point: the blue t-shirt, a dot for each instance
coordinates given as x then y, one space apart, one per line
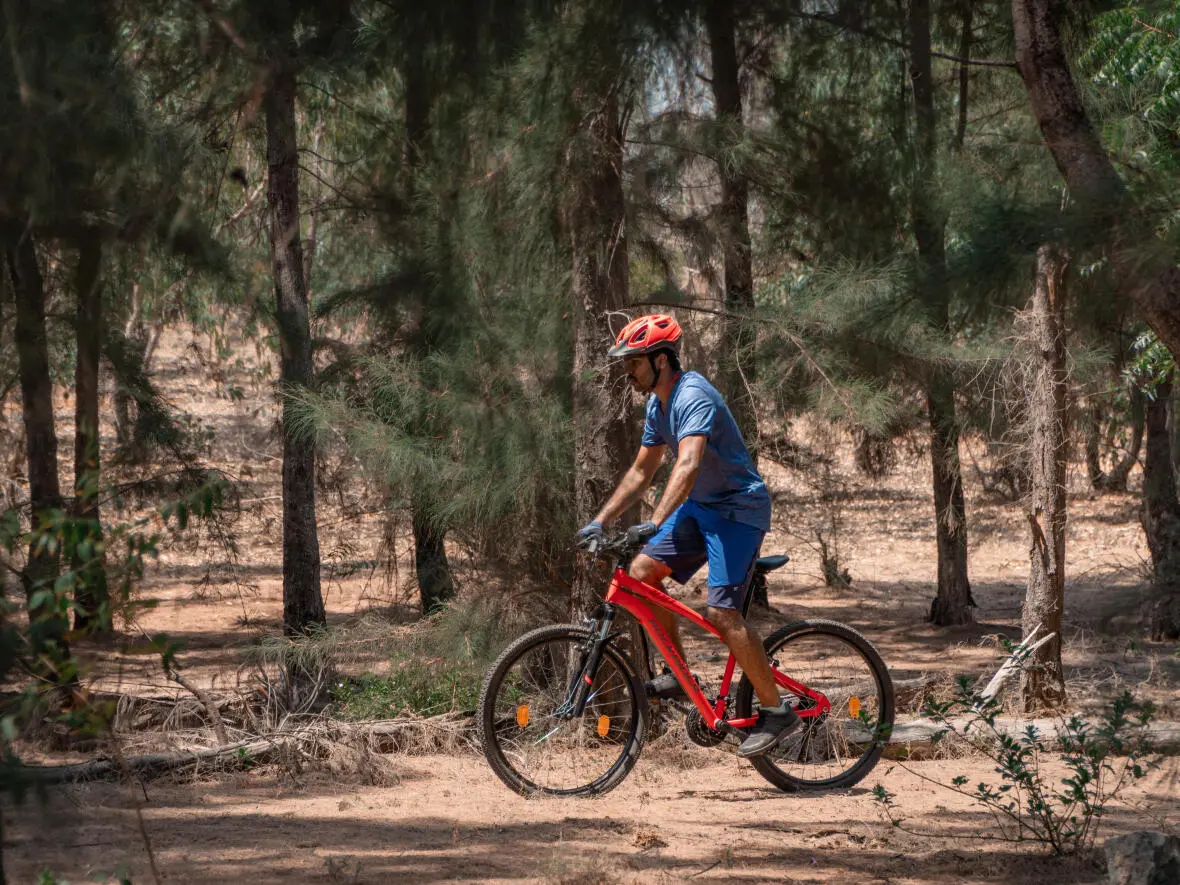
728 483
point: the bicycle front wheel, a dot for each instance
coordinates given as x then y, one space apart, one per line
835 749
531 739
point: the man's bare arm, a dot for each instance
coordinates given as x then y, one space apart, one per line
633 484
684 475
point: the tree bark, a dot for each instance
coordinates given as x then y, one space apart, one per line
90 593
1143 268
124 426
1161 516
36 385
431 566
303 604
737 365
952 604
436 583
964 72
604 436
1042 684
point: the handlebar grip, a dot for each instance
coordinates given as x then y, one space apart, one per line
592 546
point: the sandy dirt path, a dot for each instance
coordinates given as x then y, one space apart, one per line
696 816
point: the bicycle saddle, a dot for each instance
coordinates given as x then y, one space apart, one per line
770 563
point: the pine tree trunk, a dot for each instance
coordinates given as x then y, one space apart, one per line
123 399
431 567
1042 684
303 604
91 593
32 346
604 435
1143 269
952 604
737 365
964 73
436 583
1161 517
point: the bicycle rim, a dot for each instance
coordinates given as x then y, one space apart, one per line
530 746
838 748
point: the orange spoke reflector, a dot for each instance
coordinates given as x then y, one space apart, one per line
522 715
603 726
854 706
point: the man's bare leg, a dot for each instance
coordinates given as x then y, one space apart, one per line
748 649
653 572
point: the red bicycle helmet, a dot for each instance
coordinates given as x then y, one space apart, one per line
647 334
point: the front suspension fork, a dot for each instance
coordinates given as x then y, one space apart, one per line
578 693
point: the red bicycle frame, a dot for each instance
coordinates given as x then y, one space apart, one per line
634 596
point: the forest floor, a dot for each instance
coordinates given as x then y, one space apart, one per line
683 814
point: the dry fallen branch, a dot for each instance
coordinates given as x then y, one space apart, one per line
1015 660
209 705
243 753
1162 737
319 739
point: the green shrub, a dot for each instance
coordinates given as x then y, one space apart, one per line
1028 804
413 688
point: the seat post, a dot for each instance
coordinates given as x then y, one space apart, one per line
750 578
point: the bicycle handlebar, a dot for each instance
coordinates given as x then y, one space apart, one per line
616 544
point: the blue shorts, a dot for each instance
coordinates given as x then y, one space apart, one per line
694 535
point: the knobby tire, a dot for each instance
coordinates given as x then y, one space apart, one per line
505 742
818 746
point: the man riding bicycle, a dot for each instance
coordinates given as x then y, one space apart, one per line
715 509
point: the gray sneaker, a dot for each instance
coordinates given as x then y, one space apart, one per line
774 724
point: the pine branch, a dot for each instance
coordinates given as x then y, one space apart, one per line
226 28
381 125
1139 21
892 41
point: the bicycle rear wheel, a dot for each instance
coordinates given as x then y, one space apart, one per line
532 745
838 748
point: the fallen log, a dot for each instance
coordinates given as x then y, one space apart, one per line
241 754
408 734
1161 737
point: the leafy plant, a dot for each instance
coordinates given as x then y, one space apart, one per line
1152 364
1027 804
36 656
418 688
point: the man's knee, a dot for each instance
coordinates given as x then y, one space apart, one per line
650 571
726 620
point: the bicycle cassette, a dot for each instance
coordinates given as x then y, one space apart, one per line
699 733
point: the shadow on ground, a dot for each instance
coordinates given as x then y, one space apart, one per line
260 831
